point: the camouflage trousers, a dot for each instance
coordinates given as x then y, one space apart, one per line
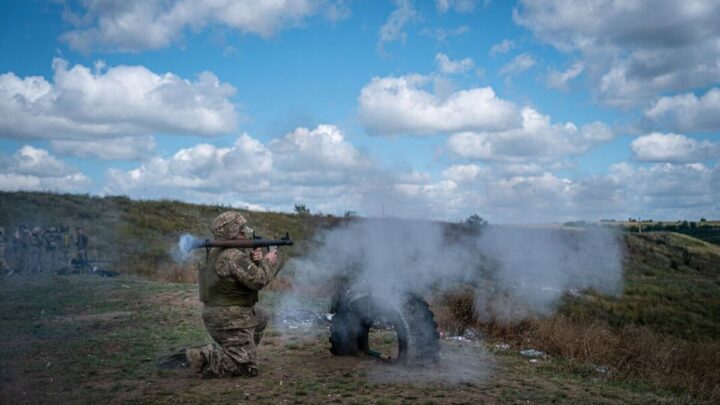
4 268
237 331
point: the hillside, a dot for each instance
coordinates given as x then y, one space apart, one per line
658 341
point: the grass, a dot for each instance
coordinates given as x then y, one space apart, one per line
659 340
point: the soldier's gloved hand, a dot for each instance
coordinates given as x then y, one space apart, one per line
257 255
272 257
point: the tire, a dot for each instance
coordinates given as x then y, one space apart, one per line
412 319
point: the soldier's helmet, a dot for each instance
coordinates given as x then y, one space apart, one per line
36 230
227 225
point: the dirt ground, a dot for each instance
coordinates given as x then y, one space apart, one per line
83 339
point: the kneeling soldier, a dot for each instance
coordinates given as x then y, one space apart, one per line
229 284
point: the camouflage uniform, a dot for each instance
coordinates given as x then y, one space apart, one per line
81 243
36 244
64 245
22 249
4 268
229 284
50 243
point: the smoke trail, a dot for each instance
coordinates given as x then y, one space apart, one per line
182 252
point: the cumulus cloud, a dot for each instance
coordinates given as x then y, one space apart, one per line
503 47
402 105
631 56
687 112
31 168
122 101
449 66
459 6
136 25
317 166
537 139
125 148
518 65
394 28
657 147
442 34
559 80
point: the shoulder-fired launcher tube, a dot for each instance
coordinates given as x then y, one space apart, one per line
244 243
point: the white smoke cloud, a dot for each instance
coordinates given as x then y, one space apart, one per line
532 267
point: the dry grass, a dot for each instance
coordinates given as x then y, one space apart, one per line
633 352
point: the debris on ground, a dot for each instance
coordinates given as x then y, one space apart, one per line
302 318
501 346
532 353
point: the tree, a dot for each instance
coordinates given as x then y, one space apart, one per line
476 221
302 210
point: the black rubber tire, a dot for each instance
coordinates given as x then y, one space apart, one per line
414 323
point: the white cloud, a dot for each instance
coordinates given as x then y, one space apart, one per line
462 173
503 47
31 168
632 50
536 140
657 147
442 34
123 101
125 148
136 25
394 28
687 112
459 6
559 80
518 65
400 105
448 66
318 167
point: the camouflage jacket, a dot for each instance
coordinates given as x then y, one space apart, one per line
230 277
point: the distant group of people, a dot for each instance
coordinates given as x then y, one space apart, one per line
33 250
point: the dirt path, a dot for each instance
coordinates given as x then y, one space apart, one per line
80 339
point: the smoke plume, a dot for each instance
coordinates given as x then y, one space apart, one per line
515 271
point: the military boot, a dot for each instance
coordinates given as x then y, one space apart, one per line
249 370
195 359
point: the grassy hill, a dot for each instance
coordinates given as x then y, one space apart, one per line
662 335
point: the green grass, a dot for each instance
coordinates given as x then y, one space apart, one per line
672 286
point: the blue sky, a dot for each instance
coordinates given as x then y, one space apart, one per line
528 111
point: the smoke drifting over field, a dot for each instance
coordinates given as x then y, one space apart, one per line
516 271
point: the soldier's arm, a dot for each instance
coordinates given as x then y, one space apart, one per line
235 263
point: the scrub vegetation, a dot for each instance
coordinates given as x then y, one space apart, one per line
83 338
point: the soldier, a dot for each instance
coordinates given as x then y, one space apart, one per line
36 250
50 243
22 252
64 245
229 284
4 268
81 243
